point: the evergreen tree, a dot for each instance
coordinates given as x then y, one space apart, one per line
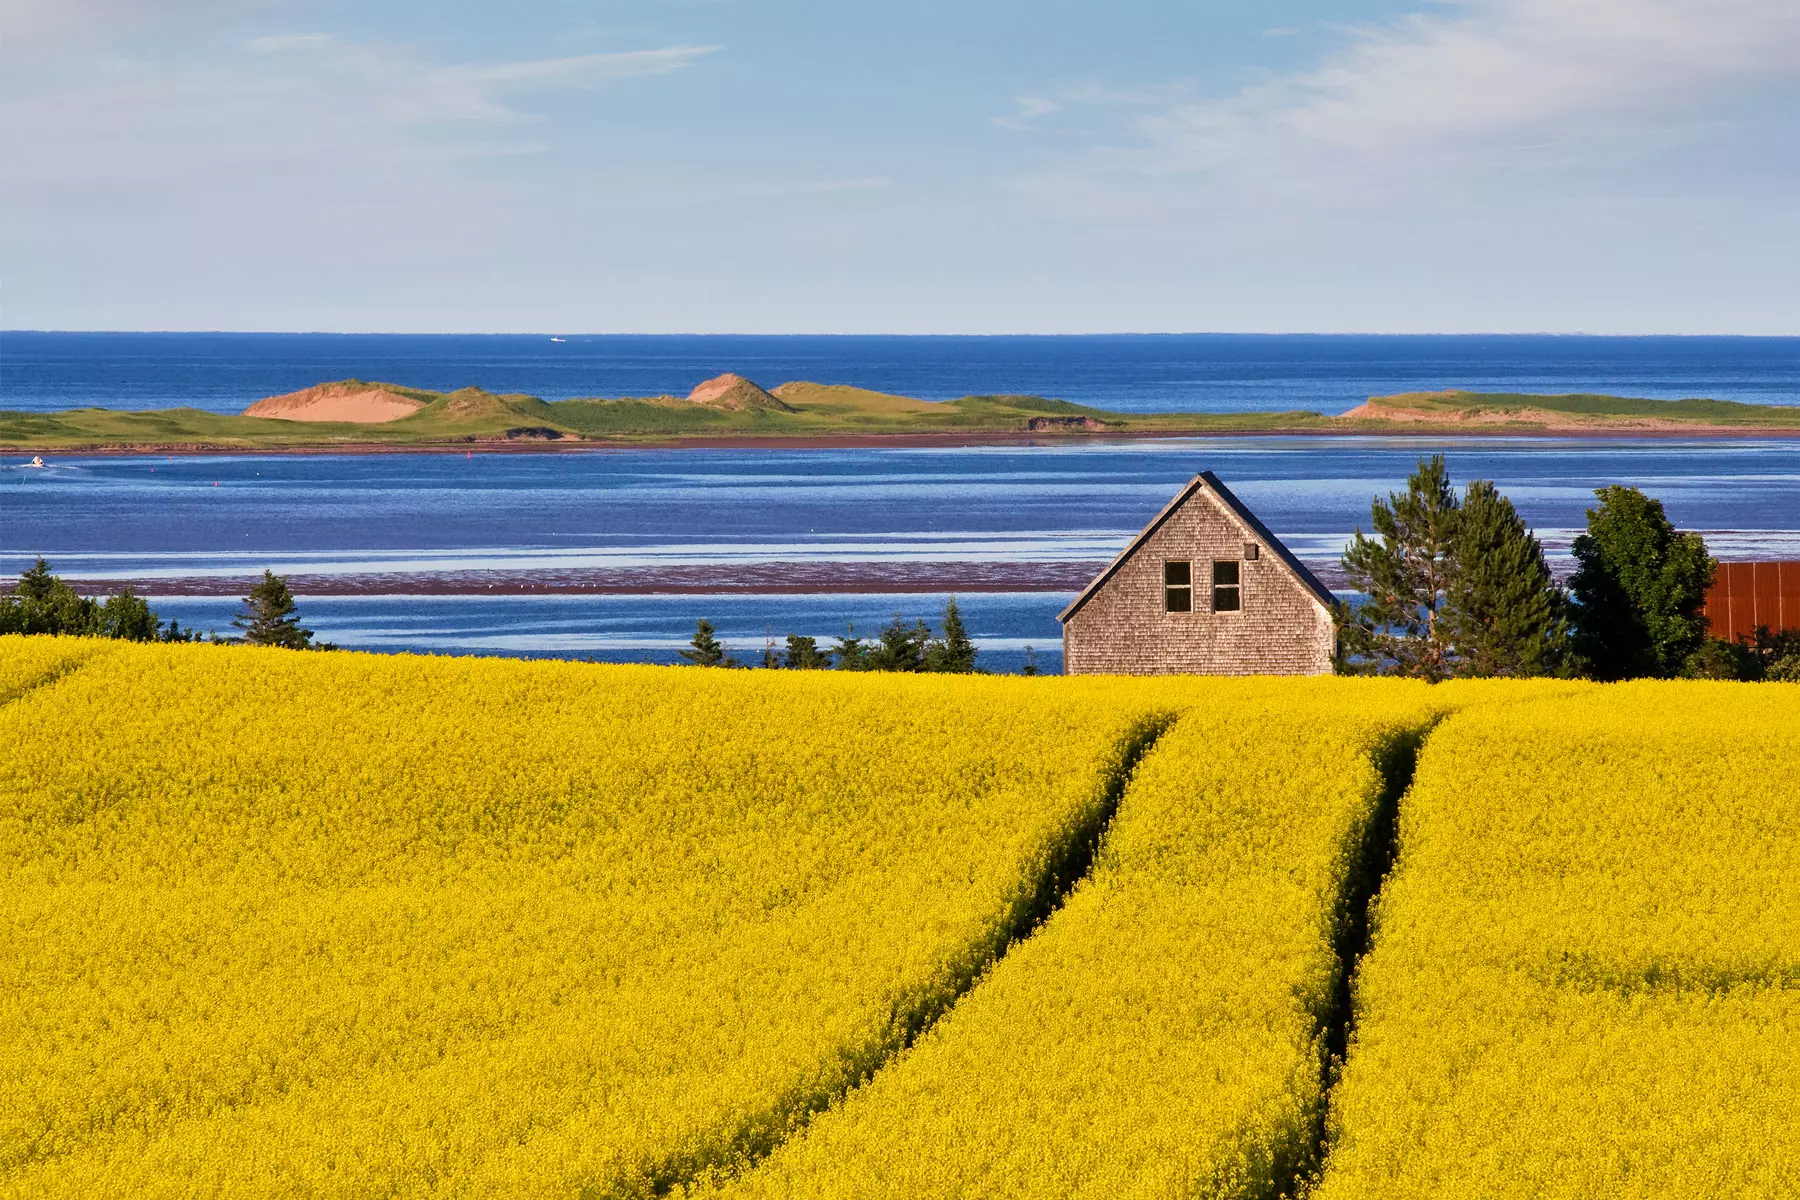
127 616
851 653
1638 588
706 650
803 654
38 585
953 652
1502 611
41 603
901 646
270 617
1398 630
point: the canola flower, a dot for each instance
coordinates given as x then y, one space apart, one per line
1586 973
351 925
27 663
1162 1034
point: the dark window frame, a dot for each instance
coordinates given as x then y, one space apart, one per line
1227 585
1178 585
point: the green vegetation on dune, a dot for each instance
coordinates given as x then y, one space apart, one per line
471 415
738 408
1586 407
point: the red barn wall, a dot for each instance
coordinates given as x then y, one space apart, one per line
1747 594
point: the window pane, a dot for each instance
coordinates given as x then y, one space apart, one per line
1225 572
1176 574
1178 599
1226 599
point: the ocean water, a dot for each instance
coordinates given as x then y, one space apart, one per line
397 525
1176 372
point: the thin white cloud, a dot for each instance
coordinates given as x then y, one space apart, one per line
1502 79
620 65
287 43
1495 67
817 187
1029 111
472 91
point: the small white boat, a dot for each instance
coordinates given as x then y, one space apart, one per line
37 460
557 339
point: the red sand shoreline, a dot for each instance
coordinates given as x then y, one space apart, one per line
1420 430
737 578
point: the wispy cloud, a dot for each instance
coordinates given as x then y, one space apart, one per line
287 43
471 90
1028 113
296 105
1505 71
816 187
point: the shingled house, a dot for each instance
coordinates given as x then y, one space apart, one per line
1206 589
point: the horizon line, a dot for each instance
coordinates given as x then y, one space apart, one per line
1125 333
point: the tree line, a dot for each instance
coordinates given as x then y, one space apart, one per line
43 603
899 647
1458 586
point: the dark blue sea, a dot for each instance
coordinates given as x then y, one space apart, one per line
225 372
442 553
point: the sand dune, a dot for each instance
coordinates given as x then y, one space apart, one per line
736 394
352 403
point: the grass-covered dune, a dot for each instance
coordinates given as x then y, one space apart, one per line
1581 410
352 414
472 415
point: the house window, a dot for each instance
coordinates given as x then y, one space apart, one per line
1228 593
1178 587
1252 551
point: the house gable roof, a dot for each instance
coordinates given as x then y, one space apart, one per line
1200 482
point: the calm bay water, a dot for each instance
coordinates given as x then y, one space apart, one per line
1174 372
418 516
390 523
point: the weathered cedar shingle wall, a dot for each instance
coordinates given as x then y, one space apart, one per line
1282 628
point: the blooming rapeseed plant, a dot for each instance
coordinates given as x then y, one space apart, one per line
1586 974
347 924
1162 1034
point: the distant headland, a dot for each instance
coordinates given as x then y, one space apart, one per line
351 416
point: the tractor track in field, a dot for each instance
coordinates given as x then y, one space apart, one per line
1397 762
1068 864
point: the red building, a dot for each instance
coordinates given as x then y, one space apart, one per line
1747 594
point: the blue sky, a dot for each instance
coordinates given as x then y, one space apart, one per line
1616 166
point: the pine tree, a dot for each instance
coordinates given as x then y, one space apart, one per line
850 652
37 585
269 616
901 646
41 603
128 617
1502 611
803 654
1398 630
707 650
954 652
1638 588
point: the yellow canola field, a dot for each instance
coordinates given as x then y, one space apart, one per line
33 662
1162 1034
1586 972
336 924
